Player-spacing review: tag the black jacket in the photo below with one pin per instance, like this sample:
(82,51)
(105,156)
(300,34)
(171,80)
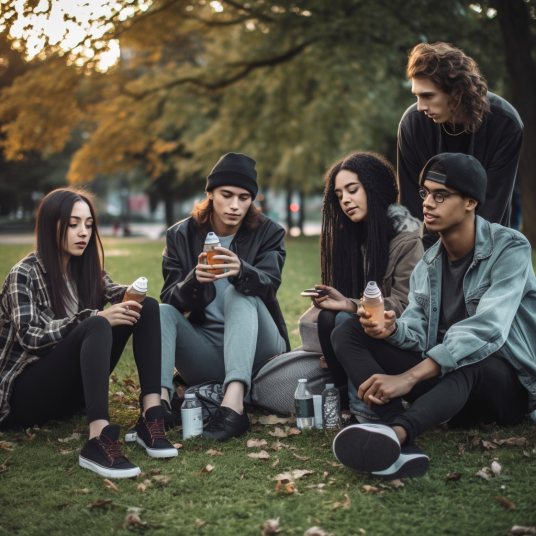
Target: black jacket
(261,251)
(496,145)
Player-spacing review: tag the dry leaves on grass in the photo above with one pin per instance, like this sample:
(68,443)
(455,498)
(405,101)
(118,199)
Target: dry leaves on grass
(271,527)
(207,469)
(290,488)
(333,464)
(70,438)
(278,432)
(276,462)
(372,490)
(496,468)
(213,452)
(262,455)
(489,445)
(346,504)
(272,419)
(453,477)
(98,504)
(3,466)
(83,491)
(155,471)
(66,451)
(199,523)
(506,503)
(484,473)
(316,531)
(6,445)
(512,442)
(518,529)
(110,485)
(303,458)
(133,520)
(177,445)
(294,431)
(397,483)
(163,479)
(141,487)
(294,475)
(252,443)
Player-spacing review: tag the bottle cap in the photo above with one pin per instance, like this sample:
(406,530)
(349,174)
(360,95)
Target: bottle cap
(372,290)
(303,380)
(189,395)
(212,239)
(140,285)
(330,385)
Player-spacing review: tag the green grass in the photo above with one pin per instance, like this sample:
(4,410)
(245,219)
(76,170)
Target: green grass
(37,492)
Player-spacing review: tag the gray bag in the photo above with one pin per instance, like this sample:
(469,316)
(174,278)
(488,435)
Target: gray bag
(274,385)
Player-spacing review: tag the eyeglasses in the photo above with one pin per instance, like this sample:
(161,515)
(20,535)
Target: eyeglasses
(438,197)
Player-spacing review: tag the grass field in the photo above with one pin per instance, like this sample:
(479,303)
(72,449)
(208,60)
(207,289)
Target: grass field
(43,491)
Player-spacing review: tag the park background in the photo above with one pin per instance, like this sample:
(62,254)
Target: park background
(137,100)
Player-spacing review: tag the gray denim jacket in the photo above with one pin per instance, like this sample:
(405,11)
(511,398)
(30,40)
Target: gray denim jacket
(500,296)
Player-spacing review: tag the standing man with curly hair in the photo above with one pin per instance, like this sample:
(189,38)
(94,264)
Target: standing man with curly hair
(459,115)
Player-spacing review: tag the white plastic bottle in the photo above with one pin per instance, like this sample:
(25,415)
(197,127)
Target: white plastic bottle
(372,302)
(192,416)
(331,407)
(303,400)
(137,291)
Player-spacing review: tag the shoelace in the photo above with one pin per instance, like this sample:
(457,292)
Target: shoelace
(112,450)
(156,429)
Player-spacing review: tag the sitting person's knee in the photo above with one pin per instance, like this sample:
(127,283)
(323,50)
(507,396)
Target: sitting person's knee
(346,332)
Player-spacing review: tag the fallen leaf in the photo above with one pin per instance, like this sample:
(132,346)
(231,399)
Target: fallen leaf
(253,421)
(252,443)
(177,445)
(325,474)
(496,468)
(527,454)
(397,483)
(475,441)
(206,469)
(147,483)
(278,432)
(272,419)
(290,487)
(294,475)
(134,509)
(454,476)
(271,527)
(484,473)
(303,458)
(199,523)
(370,489)
(70,438)
(98,504)
(133,520)
(346,503)
(461,449)
(262,455)
(334,464)
(294,431)
(66,451)
(242,476)
(518,529)
(141,487)
(488,445)
(315,531)
(506,503)
(83,491)
(212,452)
(110,485)
(163,479)
(276,462)
(278,486)
(512,442)
(6,446)
(155,471)
(313,486)
(3,466)
(362,531)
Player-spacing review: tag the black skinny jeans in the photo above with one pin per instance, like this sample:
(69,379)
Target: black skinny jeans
(76,372)
(487,391)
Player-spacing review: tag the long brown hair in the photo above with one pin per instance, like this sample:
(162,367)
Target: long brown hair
(85,272)
(203,210)
(455,74)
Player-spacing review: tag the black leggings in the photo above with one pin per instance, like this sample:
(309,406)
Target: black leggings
(487,391)
(76,372)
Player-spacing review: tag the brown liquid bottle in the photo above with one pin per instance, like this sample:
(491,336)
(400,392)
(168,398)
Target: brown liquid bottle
(211,242)
(372,302)
(137,291)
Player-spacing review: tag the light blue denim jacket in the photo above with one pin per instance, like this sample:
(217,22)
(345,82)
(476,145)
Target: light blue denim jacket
(500,296)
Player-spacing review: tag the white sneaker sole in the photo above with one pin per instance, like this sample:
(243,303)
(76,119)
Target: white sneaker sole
(158,453)
(367,447)
(407,466)
(106,471)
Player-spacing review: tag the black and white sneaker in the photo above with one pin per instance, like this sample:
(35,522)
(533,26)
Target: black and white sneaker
(412,463)
(171,420)
(150,434)
(367,447)
(103,455)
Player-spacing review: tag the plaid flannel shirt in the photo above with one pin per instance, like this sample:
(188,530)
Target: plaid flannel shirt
(28,326)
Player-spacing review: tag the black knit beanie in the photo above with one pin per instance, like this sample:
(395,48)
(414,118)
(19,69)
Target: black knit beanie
(234,169)
(464,173)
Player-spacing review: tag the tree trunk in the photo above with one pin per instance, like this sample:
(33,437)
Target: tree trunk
(289,212)
(301,212)
(514,21)
(169,201)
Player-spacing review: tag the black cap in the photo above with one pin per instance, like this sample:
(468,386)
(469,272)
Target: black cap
(234,169)
(464,173)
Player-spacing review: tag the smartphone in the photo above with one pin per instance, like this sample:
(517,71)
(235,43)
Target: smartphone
(312,292)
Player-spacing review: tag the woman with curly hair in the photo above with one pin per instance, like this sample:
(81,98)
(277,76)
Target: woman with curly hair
(366,236)
(459,115)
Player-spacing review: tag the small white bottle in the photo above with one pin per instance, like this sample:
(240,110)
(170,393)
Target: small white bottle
(372,302)
(137,291)
(192,416)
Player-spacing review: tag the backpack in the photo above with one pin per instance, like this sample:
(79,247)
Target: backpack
(274,385)
(210,394)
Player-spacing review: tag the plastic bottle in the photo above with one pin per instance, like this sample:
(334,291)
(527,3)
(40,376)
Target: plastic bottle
(303,400)
(192,416)
(137,291)
(331,407)
(372,302)
(211,242)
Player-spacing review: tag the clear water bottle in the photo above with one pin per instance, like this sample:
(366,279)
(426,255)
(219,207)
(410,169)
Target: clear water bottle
(303,400)
(331,407)
(192,416)
(211,242)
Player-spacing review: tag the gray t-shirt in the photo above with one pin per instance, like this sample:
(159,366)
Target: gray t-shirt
(214,311)
(452,298)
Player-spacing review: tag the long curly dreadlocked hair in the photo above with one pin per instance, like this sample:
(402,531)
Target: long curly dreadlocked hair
(343,266)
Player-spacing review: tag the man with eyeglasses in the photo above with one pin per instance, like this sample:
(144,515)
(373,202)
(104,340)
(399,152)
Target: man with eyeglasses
(464,350)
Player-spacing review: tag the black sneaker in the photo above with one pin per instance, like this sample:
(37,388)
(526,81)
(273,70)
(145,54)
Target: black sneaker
(367,447)
(171,418)
(412,463)
(150,434)
(103,455)
(225,424)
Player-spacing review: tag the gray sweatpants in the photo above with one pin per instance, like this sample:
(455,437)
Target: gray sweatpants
(250,336)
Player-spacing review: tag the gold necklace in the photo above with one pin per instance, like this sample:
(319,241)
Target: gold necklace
(447,132)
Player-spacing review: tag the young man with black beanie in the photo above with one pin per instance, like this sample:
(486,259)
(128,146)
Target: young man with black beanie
(222,327)
(464,350)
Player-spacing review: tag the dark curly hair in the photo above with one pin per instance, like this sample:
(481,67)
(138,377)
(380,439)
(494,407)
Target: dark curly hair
(343,264)
(455,74)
